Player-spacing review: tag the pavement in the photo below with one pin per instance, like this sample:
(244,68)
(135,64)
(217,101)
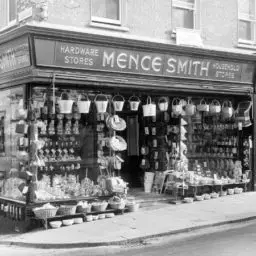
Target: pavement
(159,221)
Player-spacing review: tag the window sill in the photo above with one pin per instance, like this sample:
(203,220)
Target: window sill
(12,24)
(108,26)
(251,45)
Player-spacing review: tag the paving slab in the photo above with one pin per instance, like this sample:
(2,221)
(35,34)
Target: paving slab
(132,227)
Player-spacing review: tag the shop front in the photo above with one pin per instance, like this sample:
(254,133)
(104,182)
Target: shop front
(85,117)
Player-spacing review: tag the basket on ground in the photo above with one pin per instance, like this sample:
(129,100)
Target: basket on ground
(67,210)
(99,207)
(117,205)
(45,213)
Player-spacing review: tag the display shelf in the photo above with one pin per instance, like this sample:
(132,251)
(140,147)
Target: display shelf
(46,221)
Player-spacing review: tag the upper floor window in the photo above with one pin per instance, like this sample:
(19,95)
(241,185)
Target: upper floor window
(185,14)
(8,13)
(246,21)
(107,11)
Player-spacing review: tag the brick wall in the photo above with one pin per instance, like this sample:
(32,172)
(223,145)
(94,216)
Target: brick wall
(151,18)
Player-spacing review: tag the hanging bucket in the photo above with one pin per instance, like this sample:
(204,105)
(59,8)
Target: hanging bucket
(102,104)
(65,106)
(227,109)
(84,105)
(118,103)
(163,104)
(134,102)
(203,106)
(176,107)
(149,109)
(242,113)
(190,108)
(215,107)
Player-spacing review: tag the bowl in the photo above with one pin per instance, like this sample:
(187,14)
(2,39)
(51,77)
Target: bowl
(231,191)
(78,220)
(95,217)
(110,215)
(102,216)
(89,218)
(55,224)
(199,198)
(133,207)
(238,190)
(188,199)
(223,193)
(68,222)
(214,195)
(207,196)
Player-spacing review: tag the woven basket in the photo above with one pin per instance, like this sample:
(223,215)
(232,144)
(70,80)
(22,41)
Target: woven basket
(100,208)
(117,205)
(67,210)
(45,213)
(81,209)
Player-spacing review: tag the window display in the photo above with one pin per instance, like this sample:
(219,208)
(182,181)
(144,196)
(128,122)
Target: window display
(74,143)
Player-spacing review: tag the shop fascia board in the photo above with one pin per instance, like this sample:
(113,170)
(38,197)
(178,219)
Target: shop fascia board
(130,82)
(17,77)
(82,37)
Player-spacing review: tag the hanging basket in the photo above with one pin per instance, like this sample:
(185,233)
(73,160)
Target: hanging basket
(84,105)
(176,107)
(65,106)
(117,123)
(101,104)
(227,109)
(215,107)
(149,109)
(117,143)
(163,104)
(134,102)
(118,103)
(203,106)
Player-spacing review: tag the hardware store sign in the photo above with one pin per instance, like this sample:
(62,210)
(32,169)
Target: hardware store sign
(14,55)
(91,57)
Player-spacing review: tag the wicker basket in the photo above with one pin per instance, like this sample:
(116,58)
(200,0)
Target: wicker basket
(45,213)
(133,207)
(117,205)
(80,209)
(67,210)
(99,207)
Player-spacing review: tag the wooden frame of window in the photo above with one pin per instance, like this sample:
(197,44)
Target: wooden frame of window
(9,23)
(188,6)
(106,20)
(250,19)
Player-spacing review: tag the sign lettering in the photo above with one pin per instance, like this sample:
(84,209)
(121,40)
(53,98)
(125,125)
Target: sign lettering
(92,57)
(14,55)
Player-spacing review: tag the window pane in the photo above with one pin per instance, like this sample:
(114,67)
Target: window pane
(183,18)
(245,30)
(106,9)
(3,13)
(12,10)
(247,7)
(189,1)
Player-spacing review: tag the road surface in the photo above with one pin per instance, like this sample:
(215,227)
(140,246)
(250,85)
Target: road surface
(239,240)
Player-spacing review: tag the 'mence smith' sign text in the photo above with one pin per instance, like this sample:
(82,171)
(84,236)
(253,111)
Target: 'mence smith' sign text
(145,63)
(14,55)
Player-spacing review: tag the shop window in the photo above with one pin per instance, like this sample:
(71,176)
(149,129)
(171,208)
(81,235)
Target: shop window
(109,12)
(185,14)
(8,13)
(246,22)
